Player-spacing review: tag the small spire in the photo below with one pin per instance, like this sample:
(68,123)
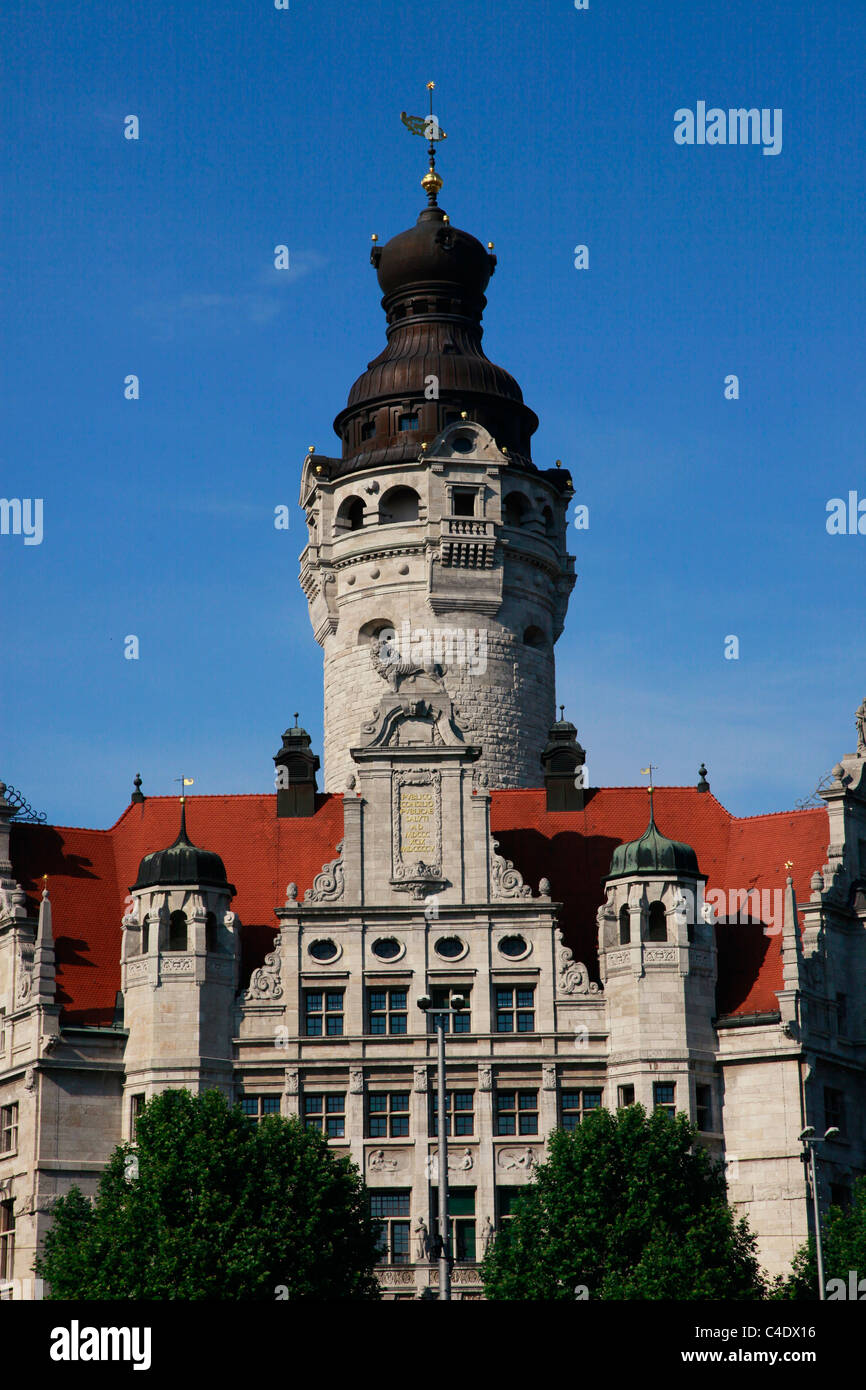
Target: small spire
(138,794)
(648,772)
(44,984)
(703,784)
(296,718)
(429,128)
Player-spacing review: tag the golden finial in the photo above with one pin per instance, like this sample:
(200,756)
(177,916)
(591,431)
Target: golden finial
(559,463)
(311,449)
(464,415)
(423,448)
(490,246)
(445,217)
(375,236)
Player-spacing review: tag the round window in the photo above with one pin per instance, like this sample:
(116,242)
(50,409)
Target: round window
(450,947)
(387,948)
(464,444)
(322,950)
(513,946)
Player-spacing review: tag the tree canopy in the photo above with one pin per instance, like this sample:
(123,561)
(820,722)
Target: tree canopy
(208,1205)
(844,1251)
(627,1206)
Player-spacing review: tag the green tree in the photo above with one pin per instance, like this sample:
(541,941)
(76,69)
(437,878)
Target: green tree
(218,1208)
(625,1207)
(844,1247)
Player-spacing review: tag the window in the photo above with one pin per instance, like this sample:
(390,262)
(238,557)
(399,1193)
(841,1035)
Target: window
(136,1105)
(145,935)
(454,1023)
(7,1240)
(211,934)
(324,1013)
(834,1109)
(257,1107)
(461,1220)
(459,1113)
(842,1015)
(387,948)
(392,1210)
(514,509)
(400,504)
(657,929)
(449,947)
(625,1096)
(8,1127)
(327,1114)
(176,932)
(368,429)
(388,1115)
(534,637)
(350,515)
(575,1104)
(408,422)
(513,946)
(624,926)
(386,1010)
(324,949)
(704,1107)
(664,1097)
(506,1203)
(463,501)
(516,1112)
(515,1009)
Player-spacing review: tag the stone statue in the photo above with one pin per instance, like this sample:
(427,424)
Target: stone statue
(487,1234)
(860,718)
(379,1163)
(422,1238)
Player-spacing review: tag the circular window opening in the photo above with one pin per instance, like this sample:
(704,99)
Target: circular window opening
(513,946)
(464,444)
(323,950)
(449,946)
(387,948)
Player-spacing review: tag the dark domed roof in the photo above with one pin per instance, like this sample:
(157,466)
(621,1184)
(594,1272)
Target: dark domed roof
(435,252)
(654,853)
(183,862)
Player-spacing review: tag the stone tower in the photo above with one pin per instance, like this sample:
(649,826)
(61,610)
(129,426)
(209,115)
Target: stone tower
(435,543)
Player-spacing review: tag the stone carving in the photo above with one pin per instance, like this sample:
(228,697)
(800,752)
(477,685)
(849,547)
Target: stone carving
(13,900)
(292,1081)
(356,1081)
(457,1163)
(25,982)
(398,1278)
(617,959)
(544,888)
(177,965)
(507,882)
(662,956)
(328,885)
(416,828)
(548,1078)
(377,1162)
(573,974)
(265,982)
(487,1235)
(517,1160)
(422,1241)
(30,1079)
(291,894)
(480,779)
(485,1078)
(136,969)
(860,720)
(421,1082)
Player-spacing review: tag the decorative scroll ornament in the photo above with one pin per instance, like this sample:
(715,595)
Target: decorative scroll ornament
(573,975)
(23,810)
(265,982)
(506,880)
(329,884)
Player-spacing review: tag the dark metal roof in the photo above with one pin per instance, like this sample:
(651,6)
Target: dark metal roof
(182,863)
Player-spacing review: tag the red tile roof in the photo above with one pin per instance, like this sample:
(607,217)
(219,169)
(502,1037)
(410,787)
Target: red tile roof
(90,872)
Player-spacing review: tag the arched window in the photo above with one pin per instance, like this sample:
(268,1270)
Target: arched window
(549,521)
(399,505)
(177,932)
(376,627)
(624,925)
(534,637)
(350,515)
(211,933)
(145,936)
(514,509)
(658,923)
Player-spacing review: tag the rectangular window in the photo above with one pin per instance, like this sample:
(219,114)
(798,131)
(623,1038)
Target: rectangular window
(463,501)
(516,1112)
(456,1023)
(387,1114)
(834,1109)
(326,1113)
(664,1097)
(386,1010)
(408,422)
(461,1220)
(704,1107)
(460,1113)
(515,1009)
(257,1107)
(8,1127)
(625,1096)
(391,1210)
(575,1104)
(842,1015)
(506,1203)
(7,1240)
(323,1010)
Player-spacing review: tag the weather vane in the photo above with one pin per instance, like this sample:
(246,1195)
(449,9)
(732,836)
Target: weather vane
(429,128)
(184,782)
(648,772)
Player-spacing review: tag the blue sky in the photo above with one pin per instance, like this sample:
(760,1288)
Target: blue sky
(261,127)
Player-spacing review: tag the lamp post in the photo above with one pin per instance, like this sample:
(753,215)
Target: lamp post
(808,1138)
(457,1004)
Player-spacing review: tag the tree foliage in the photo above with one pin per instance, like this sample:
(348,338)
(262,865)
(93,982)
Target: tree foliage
(844,1250)
(625,1207)
(220,1209)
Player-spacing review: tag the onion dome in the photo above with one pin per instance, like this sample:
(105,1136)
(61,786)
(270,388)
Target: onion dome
(182,863)
(433,279)
(654,853)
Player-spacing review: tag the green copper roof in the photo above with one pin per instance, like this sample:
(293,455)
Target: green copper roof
(654,853)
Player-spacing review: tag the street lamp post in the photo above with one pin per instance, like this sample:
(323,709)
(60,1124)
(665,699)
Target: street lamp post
(809,1139)
(458,1003)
